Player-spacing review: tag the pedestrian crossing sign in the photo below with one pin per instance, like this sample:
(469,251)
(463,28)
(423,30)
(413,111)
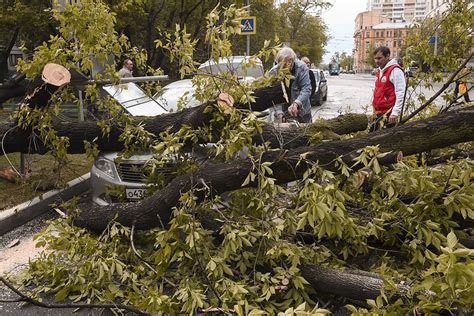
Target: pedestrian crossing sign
(248,25)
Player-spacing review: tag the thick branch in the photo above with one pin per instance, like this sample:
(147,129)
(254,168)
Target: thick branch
(17,140)
(359,285)
(437,94)
(435,132)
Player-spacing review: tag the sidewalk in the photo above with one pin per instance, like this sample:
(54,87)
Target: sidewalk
(22,213)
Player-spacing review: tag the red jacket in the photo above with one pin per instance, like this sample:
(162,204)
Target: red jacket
(384,92)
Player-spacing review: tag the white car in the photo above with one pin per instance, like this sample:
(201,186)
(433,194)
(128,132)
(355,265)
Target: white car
(115,180)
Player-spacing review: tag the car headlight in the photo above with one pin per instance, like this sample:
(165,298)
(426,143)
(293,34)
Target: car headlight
(106,166)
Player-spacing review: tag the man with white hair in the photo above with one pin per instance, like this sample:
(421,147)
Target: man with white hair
(299,90)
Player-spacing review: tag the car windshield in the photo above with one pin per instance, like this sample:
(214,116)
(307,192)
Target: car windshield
(134,100)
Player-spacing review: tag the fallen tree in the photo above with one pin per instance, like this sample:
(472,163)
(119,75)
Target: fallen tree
(267,245)
(435,132)
(16,139)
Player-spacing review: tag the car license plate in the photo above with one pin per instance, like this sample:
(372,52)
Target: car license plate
(135,194)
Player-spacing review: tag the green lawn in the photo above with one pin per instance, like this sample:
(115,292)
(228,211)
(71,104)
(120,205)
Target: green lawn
(42,175)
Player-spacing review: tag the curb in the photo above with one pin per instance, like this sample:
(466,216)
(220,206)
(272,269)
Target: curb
(24,212)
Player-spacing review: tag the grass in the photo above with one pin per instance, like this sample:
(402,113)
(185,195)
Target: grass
(42,175)
(42,171)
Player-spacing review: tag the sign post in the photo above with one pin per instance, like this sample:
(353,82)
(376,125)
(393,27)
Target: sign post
(248,26)
(434,41)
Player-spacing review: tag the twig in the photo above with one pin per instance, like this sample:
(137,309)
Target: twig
(26,298)
(144,261)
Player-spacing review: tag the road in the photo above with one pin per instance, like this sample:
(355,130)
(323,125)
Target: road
(346,93)
(353,93)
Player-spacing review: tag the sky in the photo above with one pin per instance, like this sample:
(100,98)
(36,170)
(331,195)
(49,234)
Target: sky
(340,21)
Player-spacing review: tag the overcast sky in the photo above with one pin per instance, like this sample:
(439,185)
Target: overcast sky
(340,21)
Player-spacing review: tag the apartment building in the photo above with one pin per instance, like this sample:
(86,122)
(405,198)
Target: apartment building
(436,7)
(399,10)
(363,36)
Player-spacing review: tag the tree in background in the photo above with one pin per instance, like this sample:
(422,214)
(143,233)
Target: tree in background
(346,61)
(369,59)
(453,55)
(144,21)
(306,33)
(25,23)
(291,22)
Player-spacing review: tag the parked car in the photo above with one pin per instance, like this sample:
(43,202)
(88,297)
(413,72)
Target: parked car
(321,93)
(115,178)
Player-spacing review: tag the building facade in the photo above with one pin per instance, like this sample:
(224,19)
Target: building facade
(363,35)
(436,7)
(373,31)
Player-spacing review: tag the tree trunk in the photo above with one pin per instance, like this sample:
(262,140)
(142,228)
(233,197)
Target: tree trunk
(17,140)
(435,132)
(5,53)
(358,285)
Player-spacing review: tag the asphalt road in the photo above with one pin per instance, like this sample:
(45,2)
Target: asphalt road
(352,93)
(346,93)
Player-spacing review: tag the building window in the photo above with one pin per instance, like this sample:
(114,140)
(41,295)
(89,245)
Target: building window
(377,34)
(381,34)
(367,34)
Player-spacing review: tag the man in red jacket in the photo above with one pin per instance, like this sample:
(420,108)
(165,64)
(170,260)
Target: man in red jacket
(389,88)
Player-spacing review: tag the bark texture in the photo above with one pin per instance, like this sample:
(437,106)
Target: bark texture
(358,285)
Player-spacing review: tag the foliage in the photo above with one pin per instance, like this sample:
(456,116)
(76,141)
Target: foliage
(85,35)
(306,34)
(454,29)
(290,22)
(404,221)
(370,56)
(344,60)
(25,23)
(253,266)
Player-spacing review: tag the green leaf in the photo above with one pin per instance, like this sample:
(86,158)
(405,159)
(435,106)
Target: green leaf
(451,240)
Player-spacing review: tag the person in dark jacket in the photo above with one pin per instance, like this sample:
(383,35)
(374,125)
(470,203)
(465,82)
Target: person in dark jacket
(299,90)
(311,75)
